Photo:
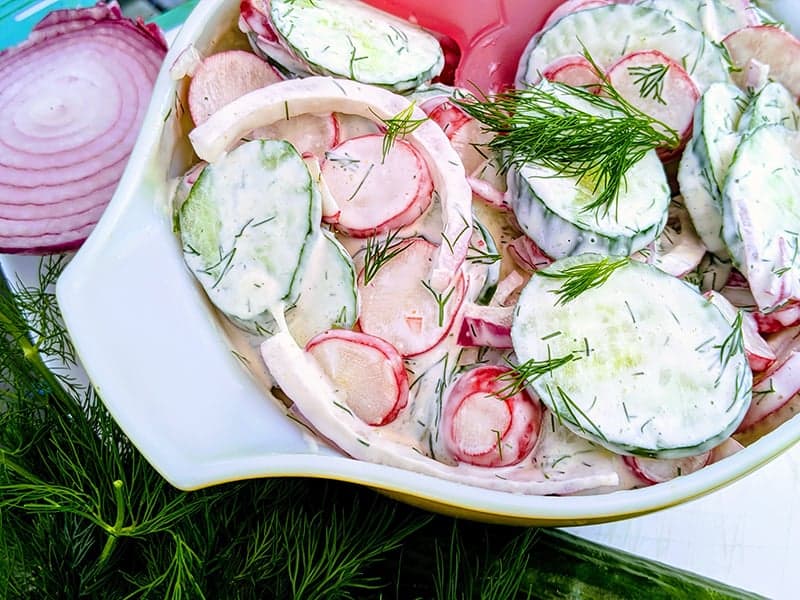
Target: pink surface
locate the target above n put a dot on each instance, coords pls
(491, 34)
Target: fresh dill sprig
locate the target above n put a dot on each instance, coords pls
(650, 80)
(441, 299)
(377, 253)
(558, 127)
(481, 256)
(399, 126)
(522, 375)
(582, 277)
(733, 344)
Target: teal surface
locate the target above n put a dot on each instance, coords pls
(18, 17)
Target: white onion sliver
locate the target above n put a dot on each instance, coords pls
(72, 100)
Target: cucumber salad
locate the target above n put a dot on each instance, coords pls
(585, 282)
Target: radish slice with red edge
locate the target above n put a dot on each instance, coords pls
(527, 255)
(774, 388)
(488, 326)
(317, 94)
(368, 371)
(397, 306)
(73, 99)
(483, 427)
(655, 470)
(767, 45)
(759, 354)
(574, 70)
(661, 88)
(223, 77)
(376, 193)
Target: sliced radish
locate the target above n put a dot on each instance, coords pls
(366, 370)
(759, 354)
(482, 427)
(397, 306)
(223, 77)
(465, 133)
(527, 255)
(571, 6)
(253, 16)
(506, 287)
(654, 470)
(488, 326)
(768, 45)
(659, 87)
(574, 70)
(777, 321)
(309, 134)
(376, 193)
(774, 389)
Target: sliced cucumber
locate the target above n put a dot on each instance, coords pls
(551, 208)
(715, 18)
(640, 378)
(245, 225)
(705, 161)
(355, 41)
(610, 32)
(327, 294)
(773, 104)
(761, 208)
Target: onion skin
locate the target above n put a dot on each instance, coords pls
(72, 101)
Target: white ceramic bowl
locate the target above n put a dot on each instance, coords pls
(165, 368)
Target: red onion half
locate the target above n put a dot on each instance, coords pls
(72, 100)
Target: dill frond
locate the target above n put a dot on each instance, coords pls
(582, 277)
(595, 138)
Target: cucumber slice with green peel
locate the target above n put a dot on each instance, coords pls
(609, 32)
(620, 367)
(327, 294)
(551, 208)
(761, 208)
(774, 105)
(704, 164)
(355, 41)
(245, 227)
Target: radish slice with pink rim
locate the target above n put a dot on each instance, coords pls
(368, 372)
(483, 427)
(376, 193)
(571, 6)
(653, 470)
(767, 45)
(223, 77)
(661, 88)
(574, 70)
(68, 128)
(315, 94)
(397, 306)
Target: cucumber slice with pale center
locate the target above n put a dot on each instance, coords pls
(245, 225)
(356, 41)
(651, 367)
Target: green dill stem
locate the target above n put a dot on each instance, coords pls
(116, 529)
(33, 356)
